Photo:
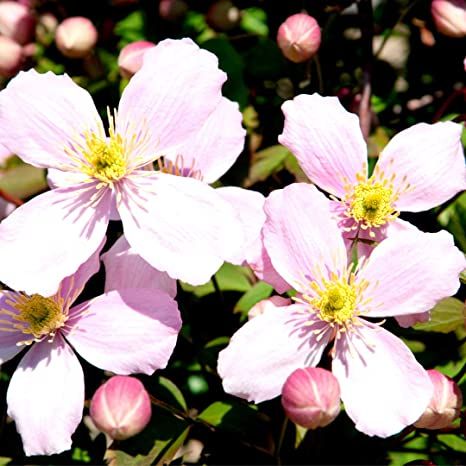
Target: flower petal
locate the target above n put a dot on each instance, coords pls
(214, 149)
(300, 236)
(46, 397)
(49, 237)
(382, 385)
(326, 140)
(428, 157)
(126, 331)
(409, 273)
(178, 225)
(249, 206)
(168, 100)
(409, 320)
(267, 349)
(126, 269)
(41, 114)
(9, 337)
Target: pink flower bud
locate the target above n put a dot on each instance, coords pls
(445, 405)
(223, 15)
(172, 10)
(75, 37)
(311, 397)
(131, 56)
(121, 407)
(11, 57)
(269, 303)
(46, 27)
(16, 22)
(449, 17)
(299, 37)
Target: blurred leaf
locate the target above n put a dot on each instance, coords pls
(292, 165)
(209, 354)
(265, 163)
(232, 63)
(414, 345)
(170, 452)
(258, 292)
(23, 181)
(377, 141)
(4, 460)
(250, 118)
(166, 390)
(254, 20)
(194, 24)
(445, 317)
(453, 441)
(400, 458)
(44, 64)
(229, 278)
(80, 455)
(453, 218)
(300, 433)
(264, 60)
(197, 384)
(131, 28)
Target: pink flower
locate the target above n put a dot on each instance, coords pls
(178, 225)
(126, 331)
(131, 57)
(383, 387)
(420, 168)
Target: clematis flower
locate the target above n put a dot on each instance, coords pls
(382, 385)
(421, 167)
(178, 225)
(126, 331)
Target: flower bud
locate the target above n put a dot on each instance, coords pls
(299, 37)
(16, 22)
(75, 37)
(172, 10)
(46, 27)
(223, 15)
(449, 17)
(265, 304)
(121, 407)
(445, 405)
(131, 56)
(11, 57)
(311, 397)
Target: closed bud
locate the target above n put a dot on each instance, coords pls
(16, 22)
(445, 405)
(299, 37)
(311, 397)
(223, 15)
(131, 57)
(11, 57)
(172, 10)
(46, 27)
(121, 407)
(449, 17)
(75, 37)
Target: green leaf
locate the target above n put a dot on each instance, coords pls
(292, 165)
(254, 20)
(300, 433)
(80, 455)
(131, 28)
(167, 391)
(445, 317)
(266, 162)
(453, 441)
(453, 218)
(170, 452)
(258, 292)
(23, 181)
(4, 460)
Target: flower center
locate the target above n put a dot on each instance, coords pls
(35, 315)
(335, 301)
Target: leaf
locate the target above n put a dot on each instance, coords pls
(170, 452)
(300, 433)
(292, 165)
(265, 61)
(265, 163)
(453, 441)
(4, 460)
(166, 390)
(254, 20)
(23, 181)
(258, 292)
(445, 317)
(453, 218)
(131, 28)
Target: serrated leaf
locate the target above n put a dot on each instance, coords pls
(23, 181)
(445, 317)
(266, 162)
(258, 292)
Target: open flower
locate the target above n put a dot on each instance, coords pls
(178, 225)
(420, 168)
(382, 385)
(126, 331)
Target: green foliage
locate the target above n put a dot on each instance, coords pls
(446, 316)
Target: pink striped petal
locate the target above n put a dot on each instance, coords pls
(326, 140)
(383, 387)
(46, 397)
(301, 238)
(41, 114)
(49, 237)
(428, 157)
(126, 269)
(126, 331)
(267, 349)
(409, 273)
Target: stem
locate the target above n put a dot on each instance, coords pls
(280, 441)
(457, 378)
(9, 198)
(366, 15)
(319, 74)
(218, 291)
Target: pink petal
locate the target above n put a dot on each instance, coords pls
(8, 336)
(126, 331)
(60, 179)
(409, 320)
(410, 273)
(5, 154)
(300, 236)
(382, 385)
(428, 157)
(5, 208)
(326, 140)
(215, 148)
(49, 237)
(46, 397)
(267, 349)
(170, 97)
(249, 207)
(41, 114)
(126, 269)
(178, 225)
